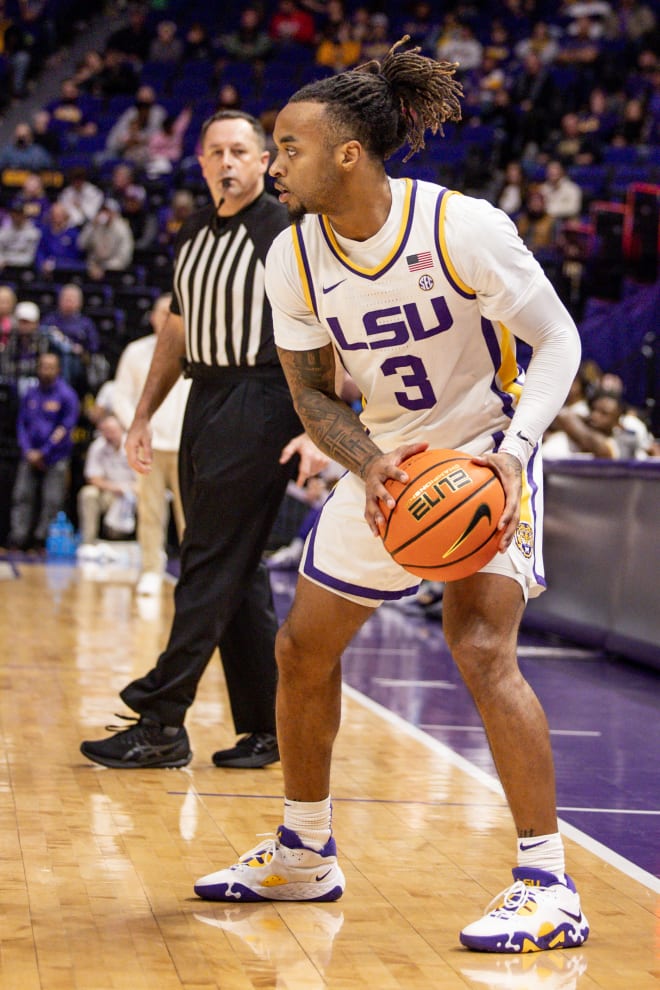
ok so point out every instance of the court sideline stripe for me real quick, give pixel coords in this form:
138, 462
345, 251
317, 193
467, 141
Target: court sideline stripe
576, 835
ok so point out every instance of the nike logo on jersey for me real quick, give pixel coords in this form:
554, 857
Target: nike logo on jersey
481, 512
329, 288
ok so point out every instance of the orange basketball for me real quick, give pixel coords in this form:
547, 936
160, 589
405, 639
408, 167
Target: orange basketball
444, 524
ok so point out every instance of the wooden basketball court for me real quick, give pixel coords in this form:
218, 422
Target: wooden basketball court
97, 866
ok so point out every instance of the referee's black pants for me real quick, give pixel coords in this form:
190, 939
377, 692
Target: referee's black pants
231, 487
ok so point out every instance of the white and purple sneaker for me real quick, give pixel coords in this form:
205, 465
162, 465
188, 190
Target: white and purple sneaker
539, 911
281, 868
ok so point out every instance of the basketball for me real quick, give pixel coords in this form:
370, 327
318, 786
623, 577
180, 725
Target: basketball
444, 524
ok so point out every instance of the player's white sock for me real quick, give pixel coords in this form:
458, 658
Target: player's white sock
311, 820
545, 852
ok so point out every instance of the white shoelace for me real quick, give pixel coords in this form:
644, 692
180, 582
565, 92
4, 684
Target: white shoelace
514, 898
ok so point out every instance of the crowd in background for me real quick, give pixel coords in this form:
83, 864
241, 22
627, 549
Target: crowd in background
561, 112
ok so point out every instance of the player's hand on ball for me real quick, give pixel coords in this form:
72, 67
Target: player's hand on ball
509, 470
374, 475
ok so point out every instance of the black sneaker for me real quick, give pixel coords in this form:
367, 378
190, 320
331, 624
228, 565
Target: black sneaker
145, 744
257, 750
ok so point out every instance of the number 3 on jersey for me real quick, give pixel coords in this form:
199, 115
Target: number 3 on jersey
420, 394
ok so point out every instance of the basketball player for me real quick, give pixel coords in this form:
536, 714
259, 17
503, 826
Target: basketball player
239, 428
419, 292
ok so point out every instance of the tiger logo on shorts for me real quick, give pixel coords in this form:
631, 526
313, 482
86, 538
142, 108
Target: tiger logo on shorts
524, 539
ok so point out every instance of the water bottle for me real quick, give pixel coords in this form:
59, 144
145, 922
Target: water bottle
56, 535
61, 539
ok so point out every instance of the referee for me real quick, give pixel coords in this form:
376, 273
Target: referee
238, 419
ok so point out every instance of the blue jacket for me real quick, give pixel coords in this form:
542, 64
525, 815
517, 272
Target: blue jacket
77, 328
46, 419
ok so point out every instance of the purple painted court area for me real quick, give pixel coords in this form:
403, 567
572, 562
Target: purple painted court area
604, 717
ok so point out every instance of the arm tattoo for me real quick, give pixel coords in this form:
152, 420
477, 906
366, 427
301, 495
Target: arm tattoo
328, 420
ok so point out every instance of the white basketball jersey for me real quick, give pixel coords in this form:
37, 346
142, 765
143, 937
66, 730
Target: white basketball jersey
409, 330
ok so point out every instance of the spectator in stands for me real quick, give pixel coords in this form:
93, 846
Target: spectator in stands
122, 176
73, 336
580, 49
572, 146
229, 97
129, 137
598, 119
481, 85
165, 146
173, 216
291, 25
563, 197
599, 434
133, 40
140, 217
45, 134
25, 342
314, 493
536, 99
47, 415
197, 43
88, 71
80, 197
38, 20
422, 26
630, 419
19, 237
512, 191
103, 403
118, 77
107, 241
35, 201
501, 115
337, 49
460, 45
249, 43
14, 50
377, 41
59, 242
535, 226
110, 490
498, 43
166, 425
7, 316
68, 113
541, 42
515, 16
166, 47
630, 131
359, 19
23, 153
633, 21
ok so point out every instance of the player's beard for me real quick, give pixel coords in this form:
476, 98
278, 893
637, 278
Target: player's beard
296, 211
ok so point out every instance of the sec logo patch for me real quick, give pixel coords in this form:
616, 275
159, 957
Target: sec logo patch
426, 282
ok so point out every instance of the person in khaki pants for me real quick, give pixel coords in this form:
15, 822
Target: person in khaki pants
164, 475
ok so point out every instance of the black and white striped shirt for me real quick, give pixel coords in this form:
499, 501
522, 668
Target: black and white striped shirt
218, 284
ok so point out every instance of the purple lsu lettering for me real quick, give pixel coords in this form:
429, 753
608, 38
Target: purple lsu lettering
394, 326
436, 491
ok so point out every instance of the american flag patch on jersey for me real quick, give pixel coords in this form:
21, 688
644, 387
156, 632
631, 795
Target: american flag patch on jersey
418, 261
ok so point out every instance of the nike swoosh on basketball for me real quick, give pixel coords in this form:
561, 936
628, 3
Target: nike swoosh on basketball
329, 288
481, 512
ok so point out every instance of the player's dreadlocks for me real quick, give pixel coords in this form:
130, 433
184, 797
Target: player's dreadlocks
386, 104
